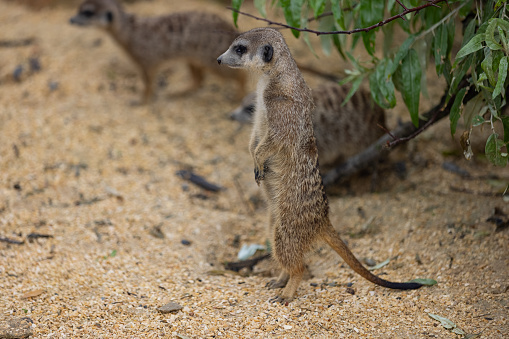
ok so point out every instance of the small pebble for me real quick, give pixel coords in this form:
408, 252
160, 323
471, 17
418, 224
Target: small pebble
16, 74
35, 64
53, 85
185, 242
350, 290
170, 307
370, 262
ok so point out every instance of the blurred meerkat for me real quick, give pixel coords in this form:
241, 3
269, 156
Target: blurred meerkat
194, 37
341, 131
285, 158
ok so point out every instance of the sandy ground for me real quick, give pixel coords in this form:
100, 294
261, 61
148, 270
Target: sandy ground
79, 163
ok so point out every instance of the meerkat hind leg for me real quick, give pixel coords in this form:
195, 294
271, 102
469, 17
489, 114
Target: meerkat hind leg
291, 286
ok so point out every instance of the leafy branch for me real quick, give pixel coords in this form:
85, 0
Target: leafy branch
484, 54
356, 30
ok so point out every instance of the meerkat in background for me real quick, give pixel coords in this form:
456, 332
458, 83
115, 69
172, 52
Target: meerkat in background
286, 159
194, 37
341, 131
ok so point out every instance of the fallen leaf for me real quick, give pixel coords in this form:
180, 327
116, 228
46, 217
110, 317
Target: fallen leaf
248, 251
380, 265
446, 323
32, 294
426, 282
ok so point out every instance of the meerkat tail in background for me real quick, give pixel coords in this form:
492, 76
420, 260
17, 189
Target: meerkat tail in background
286, 159
194, 37
341, 131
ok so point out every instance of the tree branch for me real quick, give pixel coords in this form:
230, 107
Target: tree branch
357, 30
405, 132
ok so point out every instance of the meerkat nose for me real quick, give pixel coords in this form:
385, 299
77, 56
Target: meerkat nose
219, 60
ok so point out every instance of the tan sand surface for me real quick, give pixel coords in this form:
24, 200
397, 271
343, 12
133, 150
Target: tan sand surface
81, 164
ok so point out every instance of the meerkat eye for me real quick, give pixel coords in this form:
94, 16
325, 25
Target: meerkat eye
87, 13
239, 49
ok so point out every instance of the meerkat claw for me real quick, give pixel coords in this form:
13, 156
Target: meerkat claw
279, 299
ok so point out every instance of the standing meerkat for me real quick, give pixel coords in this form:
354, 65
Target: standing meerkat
285, 158
341, 131
193, 37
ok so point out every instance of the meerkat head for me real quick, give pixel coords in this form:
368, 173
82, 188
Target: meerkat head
259, 49
99, 13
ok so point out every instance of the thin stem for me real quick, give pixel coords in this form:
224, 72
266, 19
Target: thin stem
357, 30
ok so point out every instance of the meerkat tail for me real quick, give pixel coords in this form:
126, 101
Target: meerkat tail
334, 241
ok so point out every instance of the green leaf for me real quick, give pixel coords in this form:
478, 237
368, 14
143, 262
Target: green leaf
308, 43
487, 67
472, 46
326, 24
355, 86
444, 321
456, 109
408, 80
479, 120
371, 12
458, 330
236, 5
380, 265
440, 46
426, 282
369, 39
318, 6
505, 123
338, 13
260, 6
292, 11
459, 73
469, 31
493, 151
502, 74
491, 42
381, 85
402, 52
339, 45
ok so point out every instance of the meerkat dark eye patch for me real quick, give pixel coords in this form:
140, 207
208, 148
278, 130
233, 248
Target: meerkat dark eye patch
87, 13
268, 52
109, 16
239, 49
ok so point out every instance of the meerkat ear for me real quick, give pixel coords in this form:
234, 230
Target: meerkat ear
268, 52
109, 16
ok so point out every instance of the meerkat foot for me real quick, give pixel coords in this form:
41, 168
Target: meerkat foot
280, 300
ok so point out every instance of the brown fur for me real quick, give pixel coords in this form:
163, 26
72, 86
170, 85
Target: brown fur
192, 36
341, 130
285, 157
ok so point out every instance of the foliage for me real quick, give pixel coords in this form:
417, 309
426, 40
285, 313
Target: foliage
430, 34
